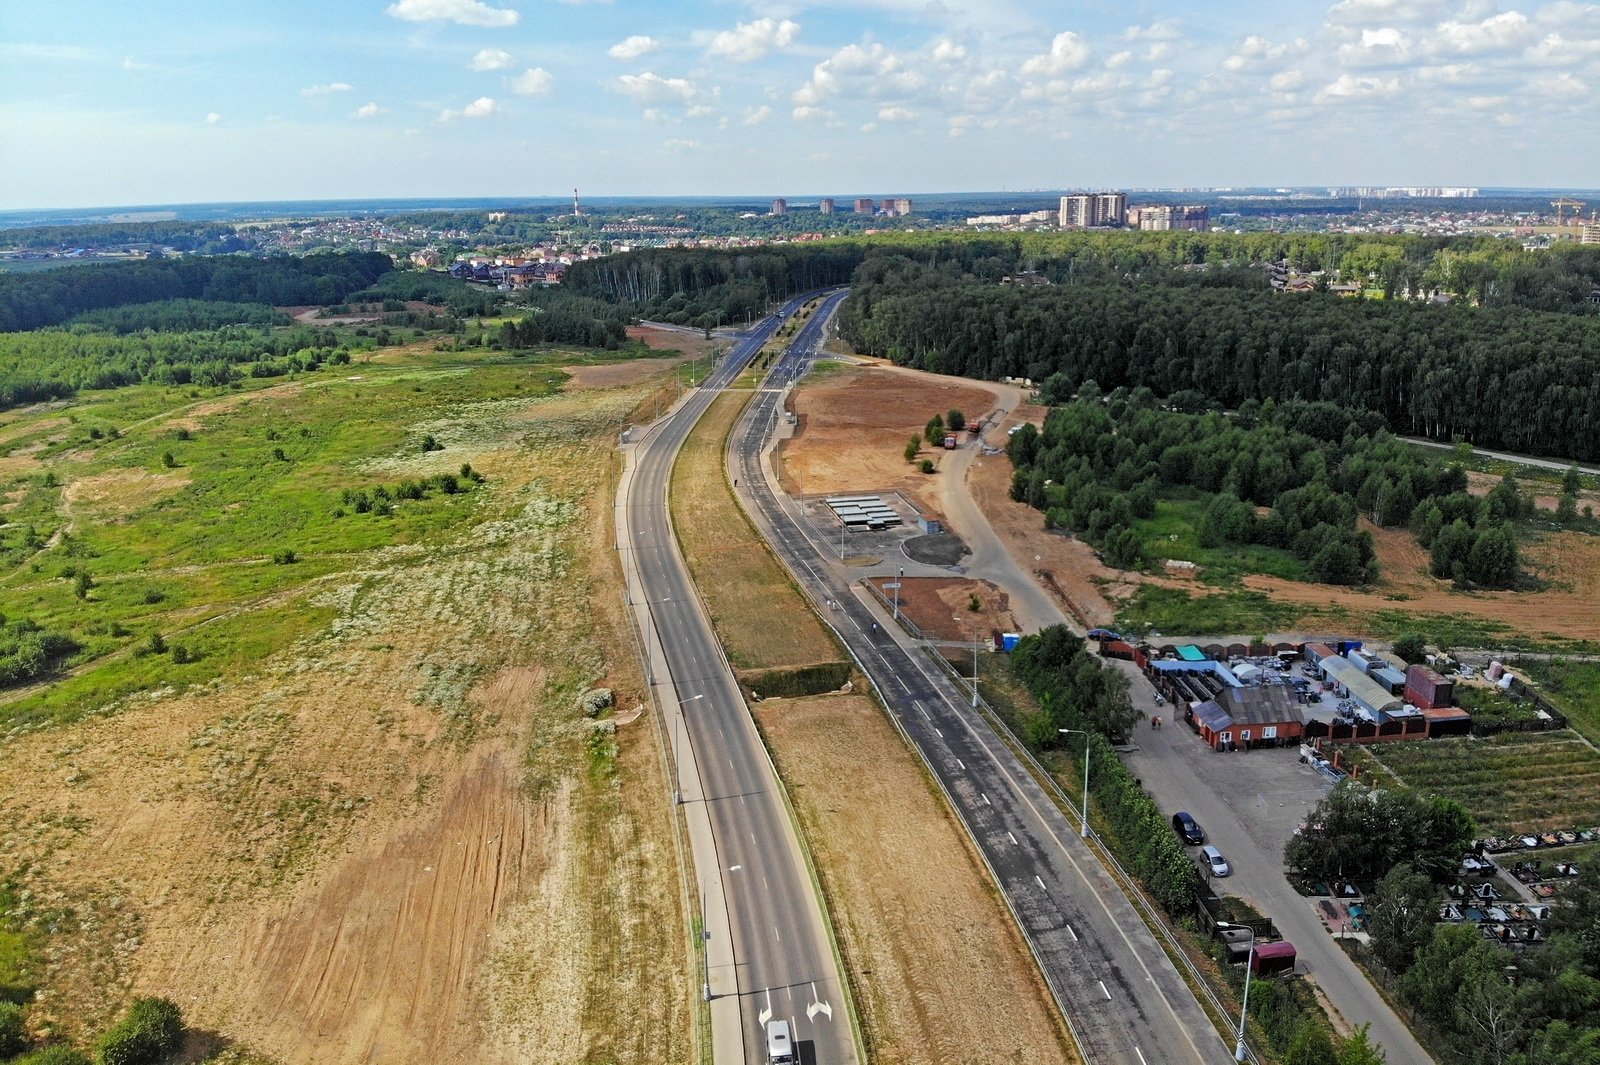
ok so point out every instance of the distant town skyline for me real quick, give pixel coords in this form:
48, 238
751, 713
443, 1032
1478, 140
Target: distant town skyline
158, 103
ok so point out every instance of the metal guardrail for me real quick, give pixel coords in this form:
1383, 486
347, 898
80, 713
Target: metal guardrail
1147, 910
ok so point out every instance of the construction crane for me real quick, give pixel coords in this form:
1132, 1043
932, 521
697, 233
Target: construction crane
1562, 204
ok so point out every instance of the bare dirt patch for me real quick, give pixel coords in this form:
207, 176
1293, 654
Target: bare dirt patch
942, 606
120, 492
614, 374
193, 417
694, 345
939, 970
852, 428
1569, 606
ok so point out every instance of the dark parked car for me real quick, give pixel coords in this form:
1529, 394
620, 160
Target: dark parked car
1187, 828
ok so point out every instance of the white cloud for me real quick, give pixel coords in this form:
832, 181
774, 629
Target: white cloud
212, 118
856, 71
1485, 103
1381, 47
1161, 30
1286, 81
1257, 51
1556, 48
326, 90
1067, 52
535, 81
651, 88
895, 114
1562, 86
808, 114
1359, 87
634, 47
466, 12
482, 107
749, 41
1121, 59
370, 109
947, 51
679, 145
869, 127
1497, 33
490, 59
754, 116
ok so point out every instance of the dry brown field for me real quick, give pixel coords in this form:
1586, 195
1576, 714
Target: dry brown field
940, 972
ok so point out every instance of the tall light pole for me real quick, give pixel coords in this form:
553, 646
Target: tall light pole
957, 619
1249, 958
651, 637
677, 766
1085, 832
897, 582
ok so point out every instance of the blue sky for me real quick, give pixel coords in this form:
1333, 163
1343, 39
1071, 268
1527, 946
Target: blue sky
157, 102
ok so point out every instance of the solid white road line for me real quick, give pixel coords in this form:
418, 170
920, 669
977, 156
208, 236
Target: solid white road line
1071, 933
1103, 990
1013, 840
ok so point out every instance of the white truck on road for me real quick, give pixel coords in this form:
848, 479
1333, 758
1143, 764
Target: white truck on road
780, 1044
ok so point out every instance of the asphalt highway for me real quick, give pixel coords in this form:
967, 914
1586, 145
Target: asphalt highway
1122, 997
785, 966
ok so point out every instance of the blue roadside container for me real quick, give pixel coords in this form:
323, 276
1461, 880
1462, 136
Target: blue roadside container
1009, 641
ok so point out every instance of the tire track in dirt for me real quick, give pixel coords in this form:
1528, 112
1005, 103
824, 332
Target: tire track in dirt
377, 962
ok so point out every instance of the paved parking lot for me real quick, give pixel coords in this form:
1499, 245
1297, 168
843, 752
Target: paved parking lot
1250, 803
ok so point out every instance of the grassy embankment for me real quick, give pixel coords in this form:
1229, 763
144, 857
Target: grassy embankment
324, 701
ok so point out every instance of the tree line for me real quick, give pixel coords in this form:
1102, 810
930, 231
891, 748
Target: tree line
56, 363
1505, 376
1102, 463
706, 288
51, 297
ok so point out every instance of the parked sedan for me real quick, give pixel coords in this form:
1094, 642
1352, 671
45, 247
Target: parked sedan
1187, 828
1213, 858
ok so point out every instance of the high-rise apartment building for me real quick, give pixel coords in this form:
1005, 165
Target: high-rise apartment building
826, 206
1195, 218
779, 207
1086, 210
1591, 233
864, 205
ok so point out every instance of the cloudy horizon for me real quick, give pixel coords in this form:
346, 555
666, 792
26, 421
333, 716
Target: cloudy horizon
131, 104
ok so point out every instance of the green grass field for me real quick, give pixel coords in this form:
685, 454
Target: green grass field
1573, 686
183, 517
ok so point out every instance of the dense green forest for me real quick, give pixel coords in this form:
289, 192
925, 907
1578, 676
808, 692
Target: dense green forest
54, 363
708, 288
202, 237
563, 318
1502, 375
1101, 463
51, 297
176, 316
457, 296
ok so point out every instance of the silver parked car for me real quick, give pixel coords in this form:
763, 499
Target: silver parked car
1213, 858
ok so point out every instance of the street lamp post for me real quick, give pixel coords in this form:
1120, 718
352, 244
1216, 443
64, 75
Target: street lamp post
677, 766
957, 619
652, 638
1085, 831
897, 582
1249, 958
